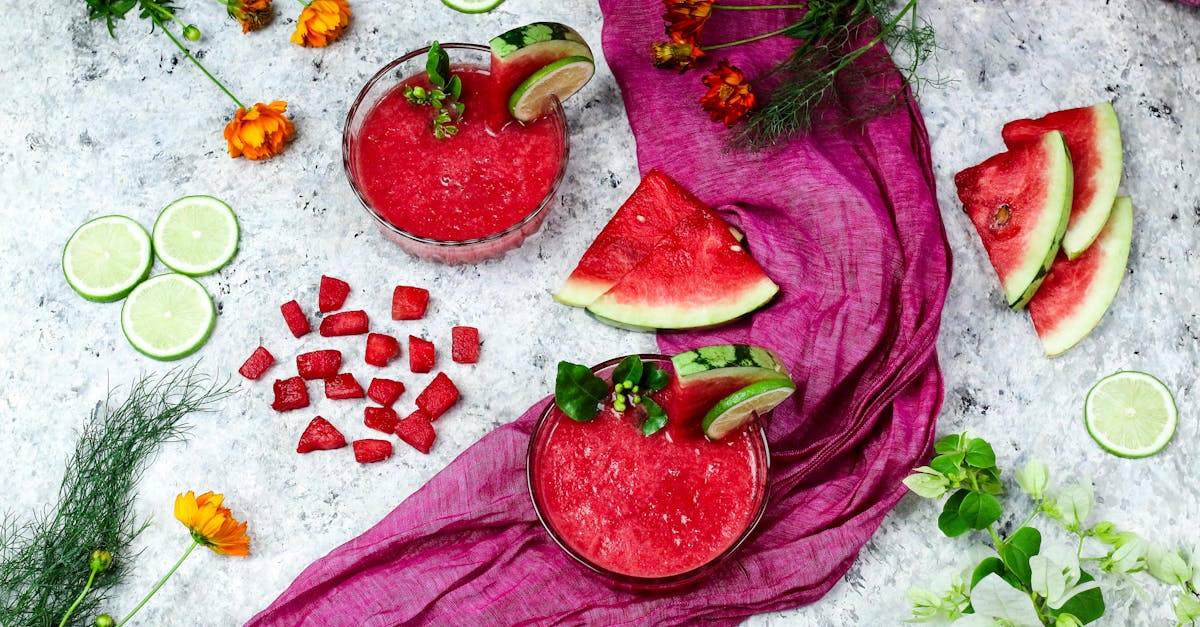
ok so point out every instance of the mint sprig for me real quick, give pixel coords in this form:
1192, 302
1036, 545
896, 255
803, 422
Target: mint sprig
579, 393
443, 96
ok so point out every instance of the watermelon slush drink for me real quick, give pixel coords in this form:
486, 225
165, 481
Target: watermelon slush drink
463, 199
647, 511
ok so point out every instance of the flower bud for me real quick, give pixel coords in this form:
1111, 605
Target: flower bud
100, 560
104, 620
191, 33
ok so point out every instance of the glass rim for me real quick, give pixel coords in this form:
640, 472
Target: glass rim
556, 112
632, 581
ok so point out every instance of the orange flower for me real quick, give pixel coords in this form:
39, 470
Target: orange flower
253, 14
321, 22
729, 96
211, 523
259, 133
675, 55
686, 18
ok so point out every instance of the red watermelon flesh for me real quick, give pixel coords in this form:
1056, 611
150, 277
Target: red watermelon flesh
1019, 202
1093, 137
650, 214
697, 276
1077, 292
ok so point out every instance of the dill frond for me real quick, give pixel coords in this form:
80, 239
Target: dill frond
44, 561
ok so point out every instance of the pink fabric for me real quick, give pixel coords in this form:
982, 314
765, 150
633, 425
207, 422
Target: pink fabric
848, 224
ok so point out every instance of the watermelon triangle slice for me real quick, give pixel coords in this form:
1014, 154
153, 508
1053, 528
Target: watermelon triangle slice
699, 275
1019, 202
1093, 137
1077, 293
650, 214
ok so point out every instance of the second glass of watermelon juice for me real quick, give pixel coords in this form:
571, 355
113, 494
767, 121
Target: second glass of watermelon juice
463, 199
646, 512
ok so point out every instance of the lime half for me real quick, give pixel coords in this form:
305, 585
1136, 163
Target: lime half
168, 316
740, 407
559, 79
106, 257
472, 6
1130, 414
196, 235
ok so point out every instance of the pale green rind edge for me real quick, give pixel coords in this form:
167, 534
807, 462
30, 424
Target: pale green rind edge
580, 292
687, 317
193, 272
1104, 290
514, 101
1019, 292
482, 8
1079, 237
570, 37
124, 291
192, 348
1087, 423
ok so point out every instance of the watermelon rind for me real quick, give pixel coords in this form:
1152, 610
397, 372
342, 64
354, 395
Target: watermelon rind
1089, 300
734, 305
550, 39
1093, 136
753, 363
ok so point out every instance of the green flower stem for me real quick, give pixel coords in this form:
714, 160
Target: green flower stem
738, 7
188, 54
160, 583
850, 58
86, 588
996, 541
747, 40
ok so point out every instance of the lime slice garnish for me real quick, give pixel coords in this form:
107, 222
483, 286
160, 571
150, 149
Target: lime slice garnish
472, 6
168, 316
559, 79
1130, 414
740, 407
196, 235
105, 258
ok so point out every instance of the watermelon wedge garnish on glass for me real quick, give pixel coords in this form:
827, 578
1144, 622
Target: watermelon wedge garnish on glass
1019, 202
650, 214
521, 52
1077, 292
1093, 137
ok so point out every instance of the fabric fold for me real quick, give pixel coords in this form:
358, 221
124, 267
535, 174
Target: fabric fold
846, 221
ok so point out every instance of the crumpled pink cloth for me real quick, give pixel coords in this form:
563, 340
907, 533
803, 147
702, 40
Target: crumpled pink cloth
847, 223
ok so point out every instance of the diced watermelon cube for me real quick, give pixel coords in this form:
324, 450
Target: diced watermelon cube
417, 431
295, 319
381, 419
441, 394
385, 391
409, 303
257, 364
333, 294
319, 364
342, 386
345, 323
420, 354
290, 394
320, 436
464, 345
381, 349
370, 451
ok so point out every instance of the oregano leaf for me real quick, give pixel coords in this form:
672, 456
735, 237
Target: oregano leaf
1017, 549
980, 454
979, 510
949, 521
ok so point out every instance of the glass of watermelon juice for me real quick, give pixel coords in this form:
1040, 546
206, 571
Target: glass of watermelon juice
463, 199
646, 512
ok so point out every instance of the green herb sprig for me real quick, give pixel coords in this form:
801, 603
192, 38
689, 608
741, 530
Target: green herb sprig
46, 561
1026, 581
444, 94
579, 393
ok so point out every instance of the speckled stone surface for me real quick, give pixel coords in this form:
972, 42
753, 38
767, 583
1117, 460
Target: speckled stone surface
91, 125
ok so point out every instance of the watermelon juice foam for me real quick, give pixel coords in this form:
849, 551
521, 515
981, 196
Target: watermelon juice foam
462, 199
648, 511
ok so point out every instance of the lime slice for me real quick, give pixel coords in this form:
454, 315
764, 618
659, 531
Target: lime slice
1130, 414
559, 79
472, 6
196, 235
740, 407
106, 257
168, 317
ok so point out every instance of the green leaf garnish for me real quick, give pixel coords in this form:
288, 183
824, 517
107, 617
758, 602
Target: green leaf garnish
656, 417
654, 378
1016, 551
444, 94
630, 369
437, 64
578, 392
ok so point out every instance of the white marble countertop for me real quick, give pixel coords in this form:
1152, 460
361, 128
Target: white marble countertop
91, 125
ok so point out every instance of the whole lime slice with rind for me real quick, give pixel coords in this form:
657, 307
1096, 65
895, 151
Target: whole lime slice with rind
472, 6
559, 79
196, 235
168, 317
1130, 414
742, 406
105, 258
